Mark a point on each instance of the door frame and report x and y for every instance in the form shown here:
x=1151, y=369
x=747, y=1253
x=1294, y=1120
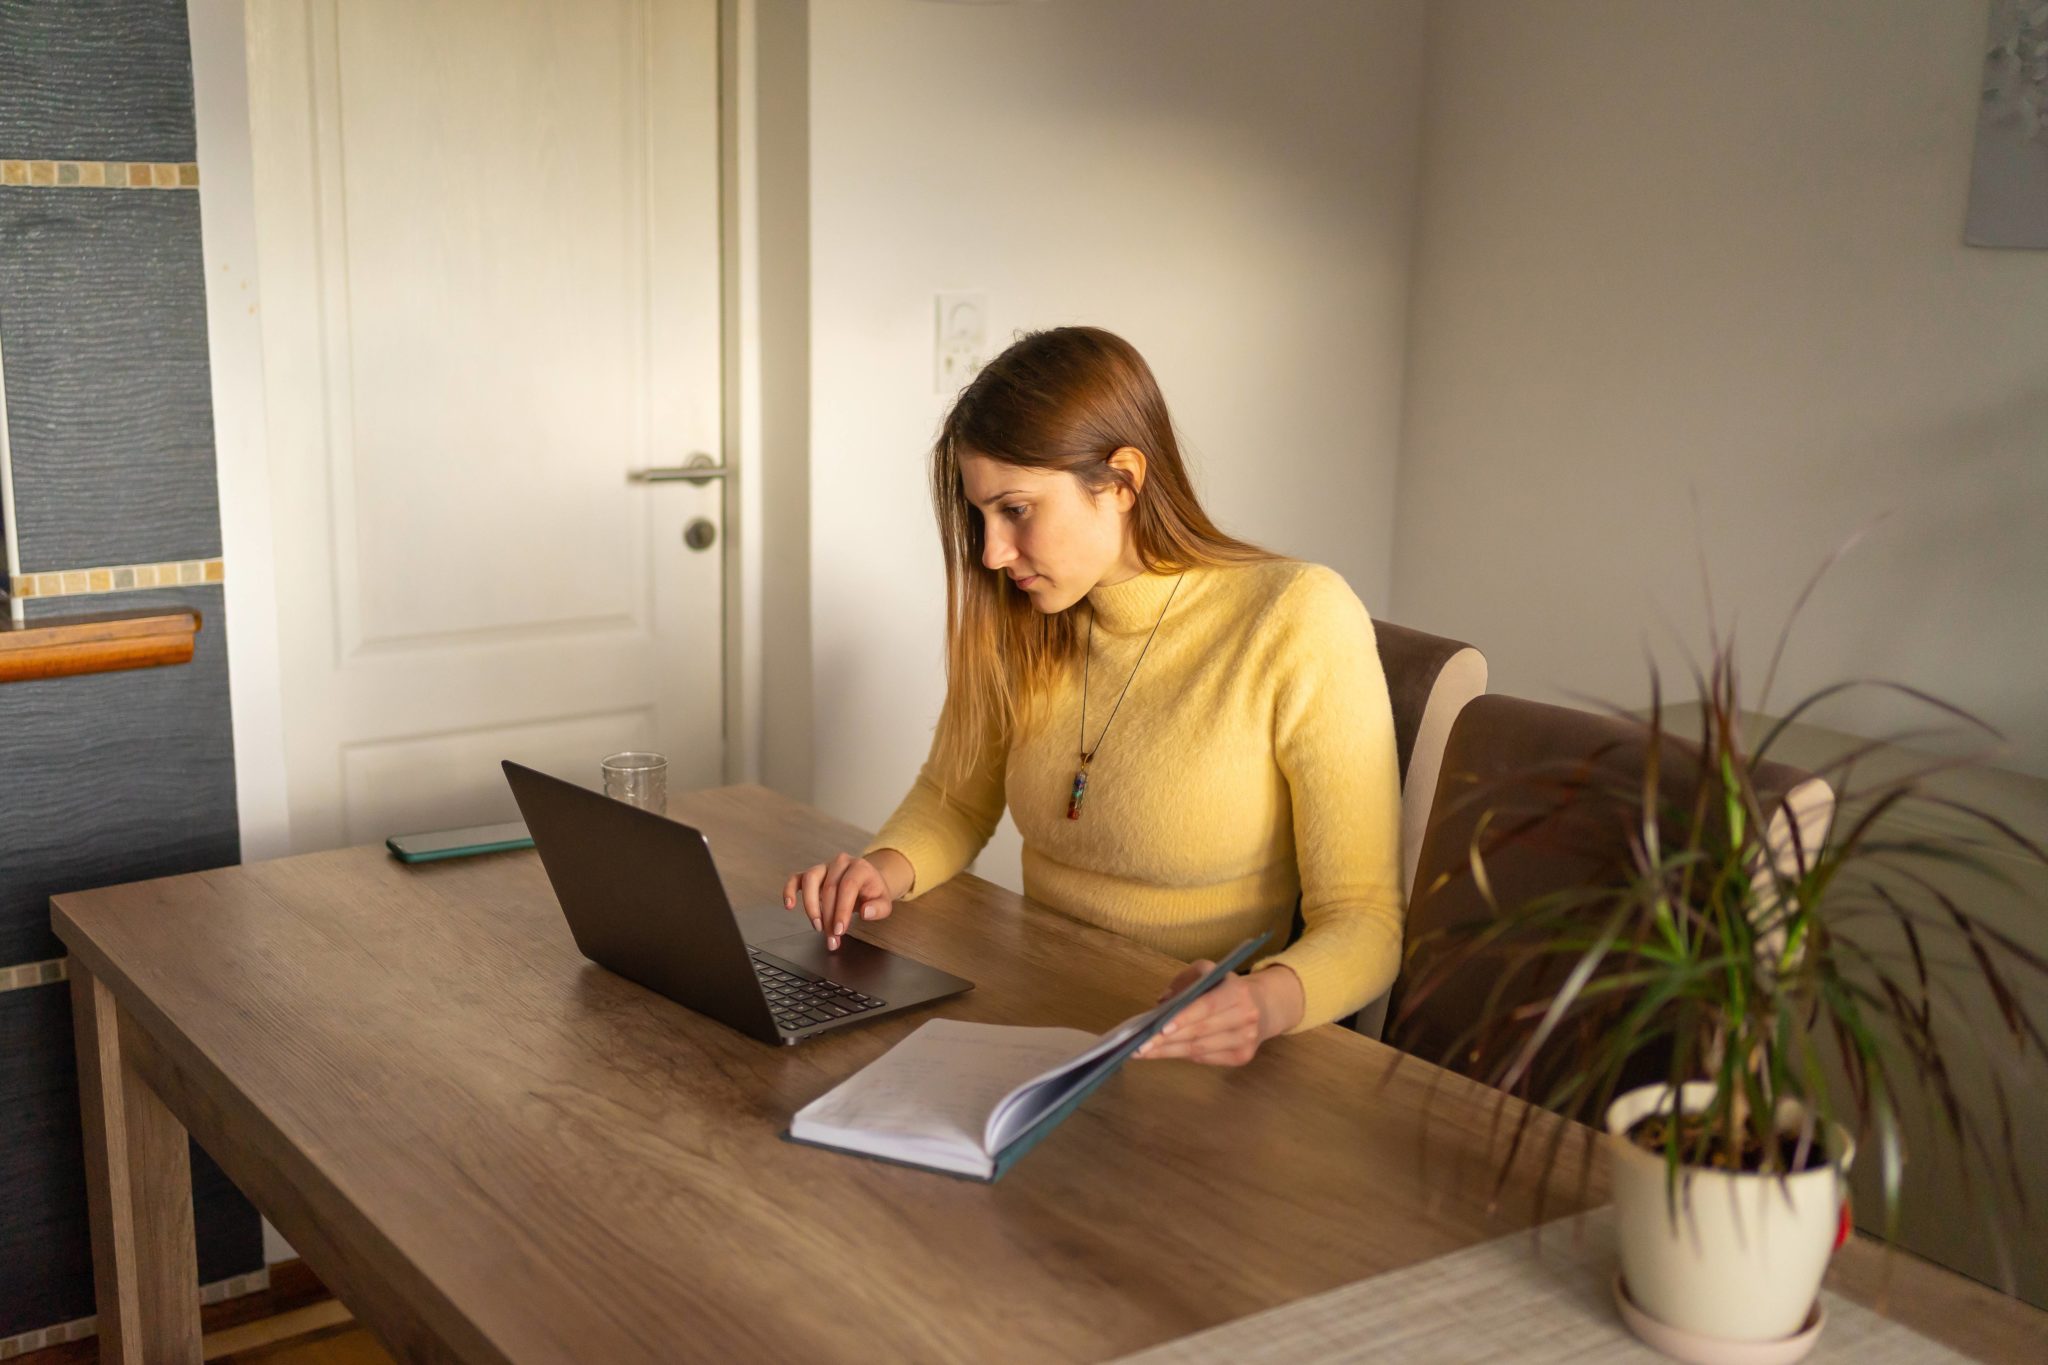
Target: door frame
x=234, y=343
x=220, y=80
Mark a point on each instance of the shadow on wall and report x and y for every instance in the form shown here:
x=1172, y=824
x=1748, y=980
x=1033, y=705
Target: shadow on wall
x=1159, y=66
x=1921, y=591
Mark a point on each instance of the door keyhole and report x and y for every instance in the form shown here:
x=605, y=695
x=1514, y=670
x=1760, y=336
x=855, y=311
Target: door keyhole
x=700, y=534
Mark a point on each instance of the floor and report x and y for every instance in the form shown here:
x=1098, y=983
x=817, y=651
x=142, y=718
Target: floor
x=320, y=1334
x=296, y=1321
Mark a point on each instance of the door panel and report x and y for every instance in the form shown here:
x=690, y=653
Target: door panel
x=492, y=255
x=403, y=785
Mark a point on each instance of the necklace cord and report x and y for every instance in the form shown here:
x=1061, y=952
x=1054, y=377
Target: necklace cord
x=1088, y=754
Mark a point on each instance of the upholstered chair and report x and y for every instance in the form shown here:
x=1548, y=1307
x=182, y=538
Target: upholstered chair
x=1555, y=845
x=1429, y=681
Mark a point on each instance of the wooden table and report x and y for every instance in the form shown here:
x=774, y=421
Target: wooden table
x=494, y=1150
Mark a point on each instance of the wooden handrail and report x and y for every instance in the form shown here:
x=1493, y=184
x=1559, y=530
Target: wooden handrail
x=68, y=645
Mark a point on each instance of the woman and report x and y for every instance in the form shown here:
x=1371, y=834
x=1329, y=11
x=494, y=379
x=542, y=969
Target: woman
x=1192, y=733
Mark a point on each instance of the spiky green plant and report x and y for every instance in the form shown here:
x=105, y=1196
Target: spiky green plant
x=1699, y=955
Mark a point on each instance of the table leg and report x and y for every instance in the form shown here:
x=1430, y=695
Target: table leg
x=138, y=1183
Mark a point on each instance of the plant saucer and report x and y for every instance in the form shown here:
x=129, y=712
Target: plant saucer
x=1705, y=1350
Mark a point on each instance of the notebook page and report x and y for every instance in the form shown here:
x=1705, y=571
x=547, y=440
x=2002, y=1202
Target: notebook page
x=1030, y=1101
x=927, y=1099
x=1043, y=1093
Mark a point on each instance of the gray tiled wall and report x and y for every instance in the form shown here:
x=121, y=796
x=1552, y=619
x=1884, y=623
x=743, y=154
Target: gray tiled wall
x=113, y=777
x=119, y=776
x=103, y=331
x=95, y=80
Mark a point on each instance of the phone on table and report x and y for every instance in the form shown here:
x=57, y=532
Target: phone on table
x=459, y=843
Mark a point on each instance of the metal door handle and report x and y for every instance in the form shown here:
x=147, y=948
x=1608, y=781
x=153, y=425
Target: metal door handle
x=700, y=470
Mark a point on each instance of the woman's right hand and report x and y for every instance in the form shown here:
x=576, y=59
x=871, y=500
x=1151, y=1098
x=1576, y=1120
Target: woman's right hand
x=830, y=894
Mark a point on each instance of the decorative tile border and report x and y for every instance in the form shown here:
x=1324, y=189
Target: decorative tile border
x=255, y=1282
x=111, y=175
x=220, y=1291
x=27, y=974
x=117, y=578
x=48, y=1336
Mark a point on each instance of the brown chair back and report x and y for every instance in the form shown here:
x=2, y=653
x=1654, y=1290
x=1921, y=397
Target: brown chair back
x=1429, y=681
x=1556, y=844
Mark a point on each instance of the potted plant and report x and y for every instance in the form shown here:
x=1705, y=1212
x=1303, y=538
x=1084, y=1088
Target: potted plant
x=1732, y=981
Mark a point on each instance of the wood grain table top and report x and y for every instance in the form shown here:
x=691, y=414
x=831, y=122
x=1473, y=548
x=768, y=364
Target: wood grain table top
x=497, y=1151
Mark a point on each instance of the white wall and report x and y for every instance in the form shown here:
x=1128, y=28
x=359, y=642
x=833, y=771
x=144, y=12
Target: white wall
x=1719, y=247
x=1664, y=247
x=1228, y=185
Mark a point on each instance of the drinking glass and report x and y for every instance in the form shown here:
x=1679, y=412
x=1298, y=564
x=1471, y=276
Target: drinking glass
x=638, y=780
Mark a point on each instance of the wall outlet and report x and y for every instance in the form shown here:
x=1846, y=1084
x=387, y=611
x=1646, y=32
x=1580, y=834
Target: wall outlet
x=962, y=339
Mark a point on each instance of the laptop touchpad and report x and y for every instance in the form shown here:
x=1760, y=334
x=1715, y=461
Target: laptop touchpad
x=766, y=922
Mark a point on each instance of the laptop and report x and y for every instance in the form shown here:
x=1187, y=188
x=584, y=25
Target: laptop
x=643, y=898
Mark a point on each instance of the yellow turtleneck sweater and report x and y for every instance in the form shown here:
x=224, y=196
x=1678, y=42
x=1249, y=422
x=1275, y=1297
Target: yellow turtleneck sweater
x=1253, y=760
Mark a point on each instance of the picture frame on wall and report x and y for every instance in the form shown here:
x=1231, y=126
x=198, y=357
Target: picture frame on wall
x=2009, y=171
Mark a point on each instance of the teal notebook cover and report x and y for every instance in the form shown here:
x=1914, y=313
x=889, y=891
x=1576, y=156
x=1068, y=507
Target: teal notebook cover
x=466, y=851
x=1100, y=1070
x=434, y=845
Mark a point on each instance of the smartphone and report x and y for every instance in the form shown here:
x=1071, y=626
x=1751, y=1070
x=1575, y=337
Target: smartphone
x=460, y=843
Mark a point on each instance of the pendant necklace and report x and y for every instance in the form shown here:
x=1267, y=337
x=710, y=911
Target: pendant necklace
x=1088, y=754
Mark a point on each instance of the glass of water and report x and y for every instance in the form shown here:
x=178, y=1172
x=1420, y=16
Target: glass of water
x=638, y=780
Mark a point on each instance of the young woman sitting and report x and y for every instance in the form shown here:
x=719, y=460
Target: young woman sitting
x=1192, y=733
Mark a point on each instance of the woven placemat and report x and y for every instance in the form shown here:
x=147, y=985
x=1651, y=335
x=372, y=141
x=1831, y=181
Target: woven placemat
x=1515, y=1298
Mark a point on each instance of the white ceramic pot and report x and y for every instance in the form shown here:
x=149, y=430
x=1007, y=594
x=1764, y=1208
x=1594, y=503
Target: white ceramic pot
x=1741, y=1257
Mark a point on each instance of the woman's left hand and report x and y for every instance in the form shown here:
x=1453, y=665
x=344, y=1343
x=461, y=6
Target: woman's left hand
x=1226, y=1026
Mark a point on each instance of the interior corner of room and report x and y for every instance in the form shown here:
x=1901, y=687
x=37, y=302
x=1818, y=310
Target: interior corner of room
x=1564, y=327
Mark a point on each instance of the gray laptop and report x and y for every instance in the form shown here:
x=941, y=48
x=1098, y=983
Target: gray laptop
x=644, y=899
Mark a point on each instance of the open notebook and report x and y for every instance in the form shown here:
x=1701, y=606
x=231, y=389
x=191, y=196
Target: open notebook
x=969, y=1099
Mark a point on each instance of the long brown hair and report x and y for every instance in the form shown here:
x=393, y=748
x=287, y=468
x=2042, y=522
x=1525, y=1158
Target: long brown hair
x=1065, y=399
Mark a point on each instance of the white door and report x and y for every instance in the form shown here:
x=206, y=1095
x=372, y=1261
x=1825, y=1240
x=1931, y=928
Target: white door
x=488, y=248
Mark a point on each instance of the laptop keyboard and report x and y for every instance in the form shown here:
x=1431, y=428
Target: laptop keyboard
x=801, y=1001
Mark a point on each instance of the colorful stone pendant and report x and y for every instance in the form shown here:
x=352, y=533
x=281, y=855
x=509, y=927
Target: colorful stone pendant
x=1080, y=790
